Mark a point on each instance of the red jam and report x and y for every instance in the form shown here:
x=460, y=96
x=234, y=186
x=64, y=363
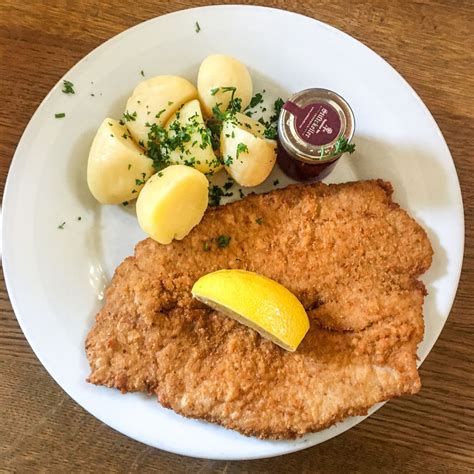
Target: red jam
x=312, y=126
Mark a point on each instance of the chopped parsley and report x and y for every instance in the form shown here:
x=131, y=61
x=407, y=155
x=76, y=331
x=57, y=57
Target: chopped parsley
x=198, y=28
x=230, y=182
x=271, y=131
x=228, y=160
x=223, y=241
x=241, y=148
x=256, y=99
x=206, y=246
x=229, y=89
x=139, y=182
x=125, y=203
x=142, y=73
x=342, y=145
x=216, y=193
x=160, y=113
x=129, y=117
x=61, y=226
x=241, y=194
x=215, y=90
x=276, y=182
x=170, y=102
x=68, y=87
x=259, y=220
x=129, y=166
x=60, y=115
x=92, y=95
x=79, y=218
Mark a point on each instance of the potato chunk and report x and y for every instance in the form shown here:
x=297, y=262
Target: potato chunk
x=218, y=75
x=248, y=156
x=154, y=101
x=117, y=167
x=172, y=202
x=197, y=151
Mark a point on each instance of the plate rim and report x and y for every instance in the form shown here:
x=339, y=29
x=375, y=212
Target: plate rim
x=7, y=266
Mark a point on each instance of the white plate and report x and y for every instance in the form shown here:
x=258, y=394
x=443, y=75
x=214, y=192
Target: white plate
x=55, y=277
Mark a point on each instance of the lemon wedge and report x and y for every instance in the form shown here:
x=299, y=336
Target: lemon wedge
x=256, y=301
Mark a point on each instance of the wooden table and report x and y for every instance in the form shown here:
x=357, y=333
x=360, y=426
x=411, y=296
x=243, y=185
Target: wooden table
x=430, y=42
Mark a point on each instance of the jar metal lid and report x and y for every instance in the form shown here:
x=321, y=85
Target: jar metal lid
x=312, y=121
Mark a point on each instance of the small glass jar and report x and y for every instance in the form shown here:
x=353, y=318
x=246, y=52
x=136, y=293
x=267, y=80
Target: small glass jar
x=310, y=124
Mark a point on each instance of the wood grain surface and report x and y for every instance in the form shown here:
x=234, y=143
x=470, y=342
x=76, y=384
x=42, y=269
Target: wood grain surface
x=431, y=43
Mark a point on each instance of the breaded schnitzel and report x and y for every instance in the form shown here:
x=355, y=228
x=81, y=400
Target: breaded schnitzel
x=346, y=251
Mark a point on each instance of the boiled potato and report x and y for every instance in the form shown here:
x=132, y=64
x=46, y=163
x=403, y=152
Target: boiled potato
x=172, y=202
x=154, y=101
x=117, y=167
x=216, y=74
x=249, y=157
x=196, y=152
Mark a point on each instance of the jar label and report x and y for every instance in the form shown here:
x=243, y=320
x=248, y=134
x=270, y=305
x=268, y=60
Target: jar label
x=317, y=123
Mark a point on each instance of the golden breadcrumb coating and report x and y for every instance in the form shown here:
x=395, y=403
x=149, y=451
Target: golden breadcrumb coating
x=351, y=256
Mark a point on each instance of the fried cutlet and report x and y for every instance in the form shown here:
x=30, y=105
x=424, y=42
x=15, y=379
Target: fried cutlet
x=351, y=256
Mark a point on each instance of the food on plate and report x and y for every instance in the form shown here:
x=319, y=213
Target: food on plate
x=164, y=125
x=172, y=202
x=221, y=78
x=248, y=156
x=346, y=251
x=196, y=150
x=154, y=101
x=256, y=301
x=117, y=167
x=315, y=128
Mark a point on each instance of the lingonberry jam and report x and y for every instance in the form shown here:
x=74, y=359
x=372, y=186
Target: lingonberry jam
x=314, y=130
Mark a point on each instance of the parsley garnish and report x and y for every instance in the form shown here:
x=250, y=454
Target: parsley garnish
x=158, y=115
x=241, y=194
x=142, y=73
x=215, y=90
x=228, y=160
x=276, y=182
x=229, y=89
x=127, y=117
x=68, y=87
x=198, y=28
x=215, y=195
x=271, y=126
x=259, y=220
x=241, y=148
x=205, y=246
x=223, y=241
x=61, y=226
x=125, y=203
x=256, y=99
x=342, y=145
x=230, y=182
x=60, y=115
x=79, y=218
x=129, y=166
